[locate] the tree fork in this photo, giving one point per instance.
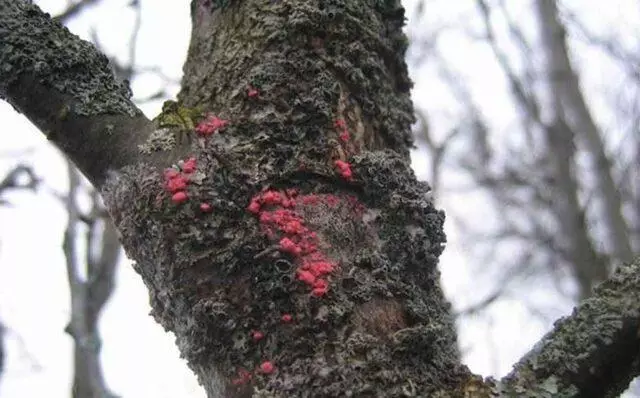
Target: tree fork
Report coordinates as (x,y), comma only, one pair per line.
(292,250)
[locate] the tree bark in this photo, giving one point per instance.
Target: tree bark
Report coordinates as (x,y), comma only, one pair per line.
(66,88)
(293,253)
(376,330)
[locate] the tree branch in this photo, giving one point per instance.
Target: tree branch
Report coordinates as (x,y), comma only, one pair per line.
(88,376)
(65,87)
(595,351)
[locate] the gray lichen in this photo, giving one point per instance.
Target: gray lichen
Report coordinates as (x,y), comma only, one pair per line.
(159,140)
(32,44)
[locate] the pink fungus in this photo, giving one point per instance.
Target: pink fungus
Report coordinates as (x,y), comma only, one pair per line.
(205,207)
(265,217)
(176,184)
(292,227)
(288,246)
(257,335)
(340,124)
(267,367)
(252,92)
(319,268)
(271,198)
(287,318)
(344,136)
(189,166)
(171,173)
(344,168)
(306,277)
(320,288)
(179,197)
(254,207)
(210,125)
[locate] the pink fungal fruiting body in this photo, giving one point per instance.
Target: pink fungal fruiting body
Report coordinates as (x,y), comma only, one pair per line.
(171,173)
(176,181)
(210,125)
(179,197)
(252,92)
(344,169)
(176,184)
(267,367)
(189,165)
(276,212)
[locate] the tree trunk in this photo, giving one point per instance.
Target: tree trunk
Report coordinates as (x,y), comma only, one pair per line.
(382,326)
(292,250)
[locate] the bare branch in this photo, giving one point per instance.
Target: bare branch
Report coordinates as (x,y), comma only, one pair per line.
(87,296)
(13,180)
(64,86)
(594,352)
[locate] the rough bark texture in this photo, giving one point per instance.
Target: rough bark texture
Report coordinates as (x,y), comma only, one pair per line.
(310,175)
(383,328)
(593,353)
(66,88)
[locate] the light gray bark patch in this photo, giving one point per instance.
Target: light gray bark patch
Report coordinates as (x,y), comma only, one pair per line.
(31,44)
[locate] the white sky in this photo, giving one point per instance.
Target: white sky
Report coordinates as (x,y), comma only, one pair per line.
(139,358)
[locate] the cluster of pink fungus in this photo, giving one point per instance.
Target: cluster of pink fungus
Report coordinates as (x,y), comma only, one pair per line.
(210,125)
(278,219)
(276,212)
(176,181)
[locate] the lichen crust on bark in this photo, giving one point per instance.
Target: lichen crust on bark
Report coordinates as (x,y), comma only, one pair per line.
(313,271)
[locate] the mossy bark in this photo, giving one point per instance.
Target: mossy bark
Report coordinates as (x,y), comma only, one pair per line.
(383,328)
